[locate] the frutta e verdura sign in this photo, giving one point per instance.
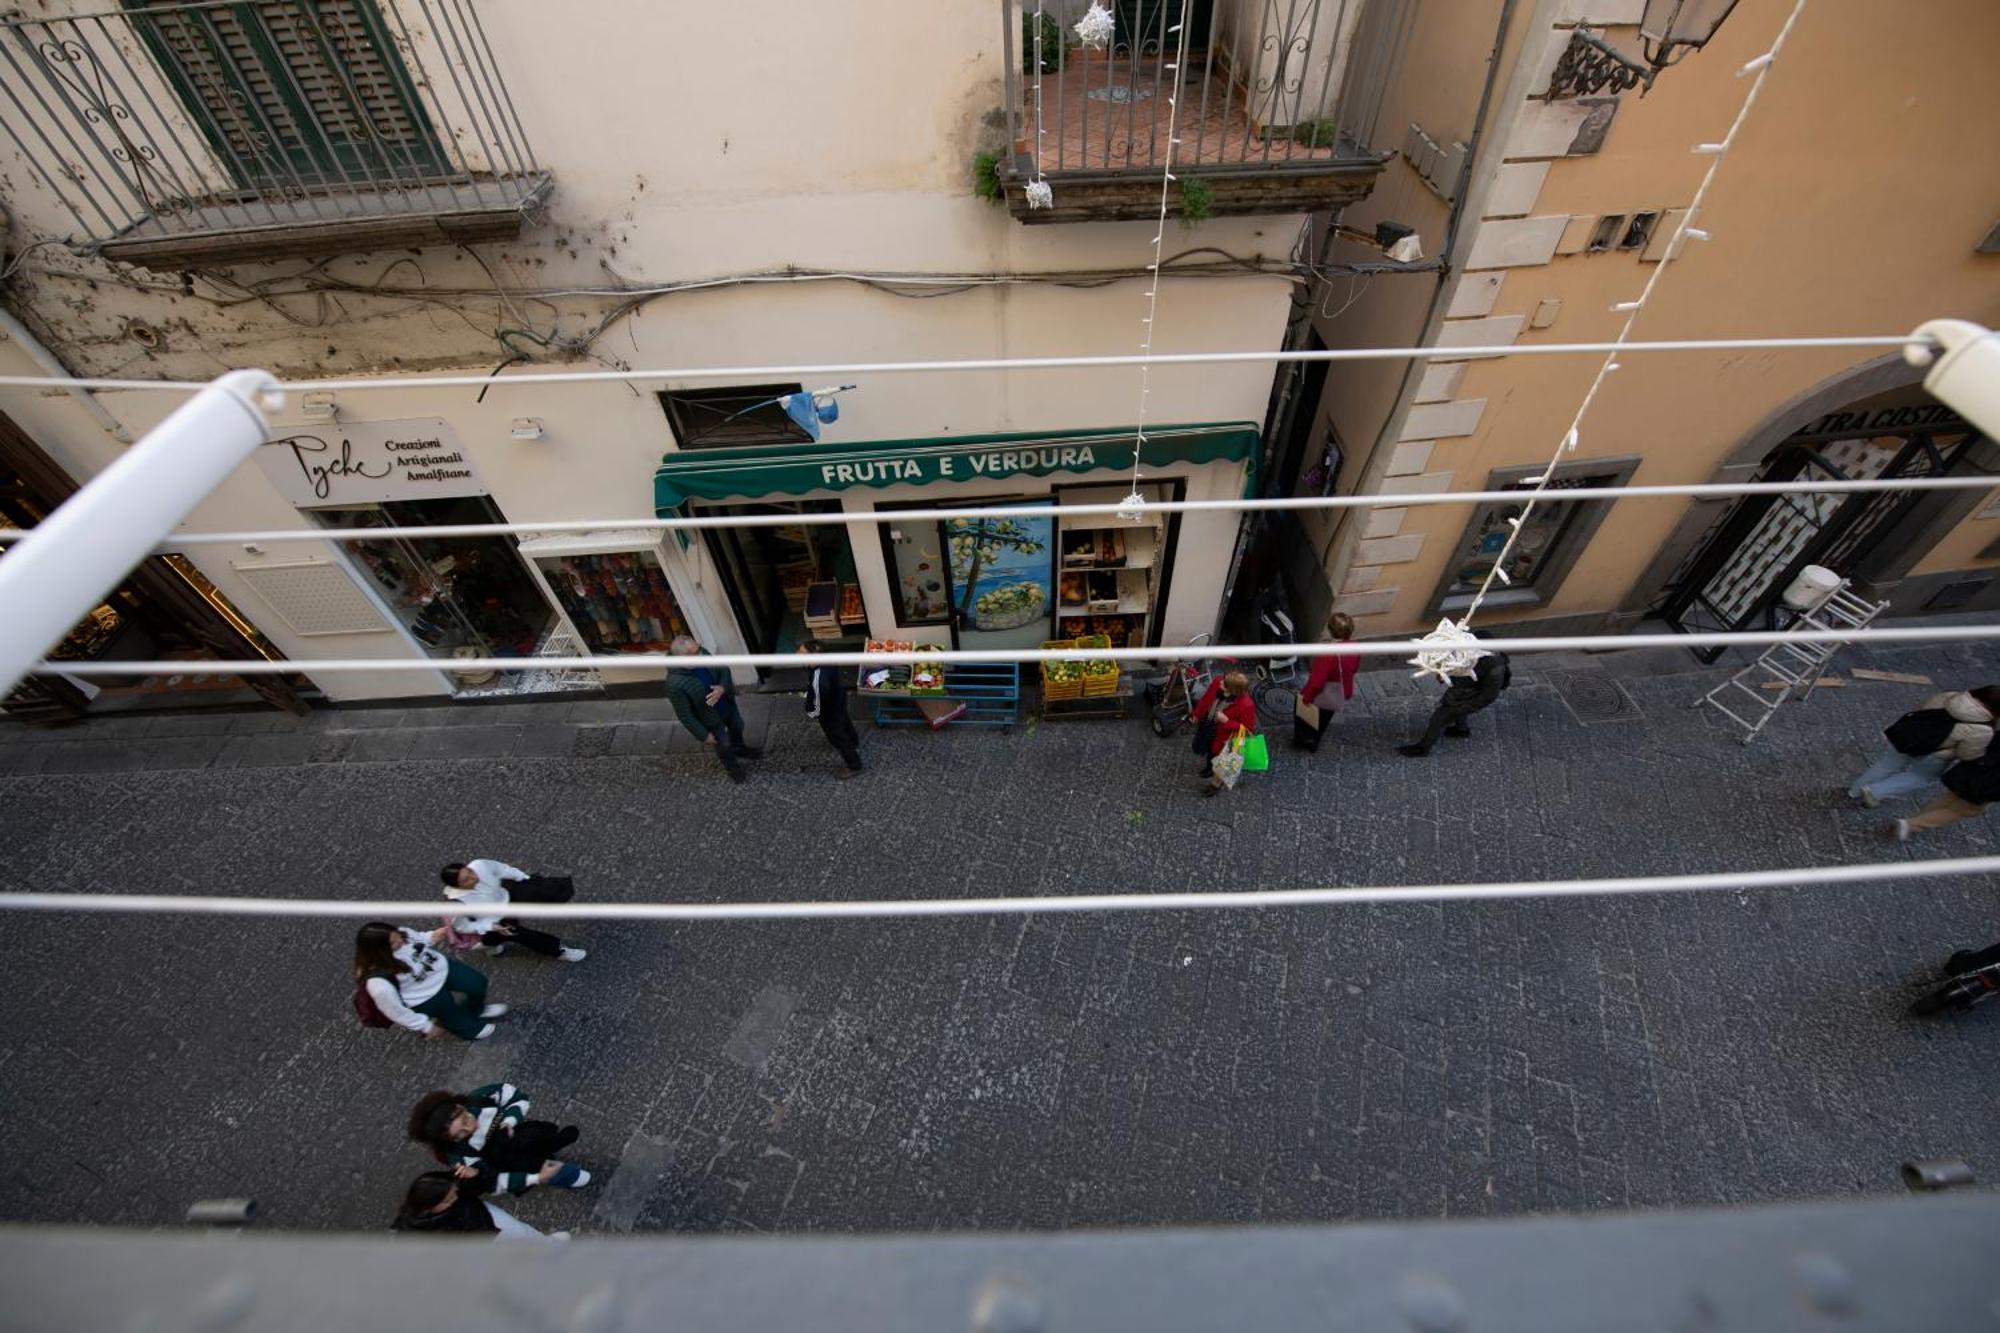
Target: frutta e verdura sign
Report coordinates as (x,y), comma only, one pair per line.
(354,463)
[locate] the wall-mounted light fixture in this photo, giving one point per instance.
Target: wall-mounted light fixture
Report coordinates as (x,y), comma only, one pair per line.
(527,428)
(1668,30)
(318,408)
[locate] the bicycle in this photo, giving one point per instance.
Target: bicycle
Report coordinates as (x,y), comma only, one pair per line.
(1959,989)
(1172,698)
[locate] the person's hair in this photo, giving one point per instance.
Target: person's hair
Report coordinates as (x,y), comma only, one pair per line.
(1235,683)
(1340,625)
(372,953)
(430,1120)
(425,1193)
(684,645)
(1988,697)
(811,646)
(450,874)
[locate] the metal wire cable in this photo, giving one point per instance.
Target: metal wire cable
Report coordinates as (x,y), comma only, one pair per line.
(875,909)
(1165,652)
(1273,356)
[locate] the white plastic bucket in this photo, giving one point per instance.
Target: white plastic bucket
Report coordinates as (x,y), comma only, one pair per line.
(1814,585)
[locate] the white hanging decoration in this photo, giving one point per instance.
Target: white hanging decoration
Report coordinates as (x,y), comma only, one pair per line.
(1133,507)
(1038,194)
(1456,652)
(1094,29)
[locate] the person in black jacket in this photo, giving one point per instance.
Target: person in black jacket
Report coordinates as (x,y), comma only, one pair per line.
(826,703)
(439,1203)
(1465,696)
(1969,787)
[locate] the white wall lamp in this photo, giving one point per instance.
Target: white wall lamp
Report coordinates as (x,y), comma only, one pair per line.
(318,408)
(527,428)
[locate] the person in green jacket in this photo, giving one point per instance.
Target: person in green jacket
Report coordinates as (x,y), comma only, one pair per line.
(705,702)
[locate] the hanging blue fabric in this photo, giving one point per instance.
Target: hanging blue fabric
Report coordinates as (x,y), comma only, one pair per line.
(799,407)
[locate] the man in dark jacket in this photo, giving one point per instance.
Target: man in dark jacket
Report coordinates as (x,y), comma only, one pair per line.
(826,704)
(705,702)
(1465,696)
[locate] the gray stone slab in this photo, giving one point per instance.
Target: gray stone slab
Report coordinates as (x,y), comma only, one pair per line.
(486,742)
(373,747)
(544,740)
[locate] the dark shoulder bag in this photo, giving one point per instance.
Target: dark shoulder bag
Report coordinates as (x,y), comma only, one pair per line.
(1919,732)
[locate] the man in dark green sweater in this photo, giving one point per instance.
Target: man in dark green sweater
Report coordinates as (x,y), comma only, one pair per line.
(705,702)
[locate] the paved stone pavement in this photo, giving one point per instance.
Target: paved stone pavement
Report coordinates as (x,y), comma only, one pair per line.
(1002,1073)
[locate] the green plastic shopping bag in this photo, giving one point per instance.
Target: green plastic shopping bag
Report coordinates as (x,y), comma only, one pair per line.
(1256,753)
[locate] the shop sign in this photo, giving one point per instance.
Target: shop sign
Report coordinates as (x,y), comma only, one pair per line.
(417,459)
(1861,424)
(961,467)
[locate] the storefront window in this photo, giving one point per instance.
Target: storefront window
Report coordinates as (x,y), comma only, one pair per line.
(916,554)
(619,601)
(452,594)
(1552,536)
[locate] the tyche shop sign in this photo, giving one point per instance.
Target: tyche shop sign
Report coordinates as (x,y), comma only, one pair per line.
(355,463)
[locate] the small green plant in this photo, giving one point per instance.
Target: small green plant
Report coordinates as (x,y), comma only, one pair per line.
(1197,200)
(1052,44)
(986,176)
(1135,817)
(1316,133)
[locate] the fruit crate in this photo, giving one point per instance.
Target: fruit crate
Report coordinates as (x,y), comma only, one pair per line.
(1094,686)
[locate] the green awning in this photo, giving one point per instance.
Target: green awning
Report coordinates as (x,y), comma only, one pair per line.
(752,473)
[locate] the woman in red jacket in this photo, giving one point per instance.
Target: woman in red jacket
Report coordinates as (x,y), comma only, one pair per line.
(1224,708)
(1329,687)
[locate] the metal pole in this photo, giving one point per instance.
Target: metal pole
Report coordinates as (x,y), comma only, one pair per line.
(52,578)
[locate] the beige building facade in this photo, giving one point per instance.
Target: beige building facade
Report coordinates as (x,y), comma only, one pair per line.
(1857,200)
(377,189)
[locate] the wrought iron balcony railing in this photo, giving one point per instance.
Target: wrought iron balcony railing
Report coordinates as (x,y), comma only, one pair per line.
(1253,93)
(214,131)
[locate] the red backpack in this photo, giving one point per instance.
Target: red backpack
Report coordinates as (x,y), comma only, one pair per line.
(365,1008)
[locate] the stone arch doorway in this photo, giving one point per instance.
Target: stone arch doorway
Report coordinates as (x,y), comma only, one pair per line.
(1874,422)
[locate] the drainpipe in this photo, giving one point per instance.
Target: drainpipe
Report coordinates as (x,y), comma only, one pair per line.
(1450,261)
(13,328)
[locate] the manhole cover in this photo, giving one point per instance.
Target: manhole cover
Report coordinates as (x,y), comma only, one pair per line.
(1592,696)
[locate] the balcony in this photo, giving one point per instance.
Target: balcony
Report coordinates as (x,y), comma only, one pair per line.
(1254,101)
(184,135)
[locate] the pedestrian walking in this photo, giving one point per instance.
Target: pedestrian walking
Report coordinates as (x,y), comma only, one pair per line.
(495,884)
(705,702)
(1328,687)
(826,704)
(439,1203)
(401,978)
(1224,711)
(1954,727)
(488,1129)
(1968,789)
(1469,691)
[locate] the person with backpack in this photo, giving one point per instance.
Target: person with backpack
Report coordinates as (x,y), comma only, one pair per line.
(487,1129)
(495,883)
(1328,688)
(1469,692)
(441,1203)
(1954,727)
(401,978)
(1968,789)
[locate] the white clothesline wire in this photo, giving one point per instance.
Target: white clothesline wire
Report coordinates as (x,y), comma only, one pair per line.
(1496,573)
(1579,495)
(1159,239)
(970,656)
(1275,355)
(1168,901)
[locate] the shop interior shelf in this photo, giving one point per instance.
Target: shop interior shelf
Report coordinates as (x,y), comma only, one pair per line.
(990,691)
(1141,548)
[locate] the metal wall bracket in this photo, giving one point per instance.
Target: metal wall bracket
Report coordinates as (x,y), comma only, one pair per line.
(1588,65)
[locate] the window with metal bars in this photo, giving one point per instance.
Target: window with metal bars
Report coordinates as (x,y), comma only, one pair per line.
(295,93)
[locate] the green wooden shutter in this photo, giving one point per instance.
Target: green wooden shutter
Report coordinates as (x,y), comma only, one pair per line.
(296,92)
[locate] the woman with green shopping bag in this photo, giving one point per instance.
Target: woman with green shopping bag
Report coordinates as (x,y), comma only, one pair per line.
(1227,716)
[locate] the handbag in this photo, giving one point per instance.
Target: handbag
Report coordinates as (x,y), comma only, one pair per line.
(1921,731)
(1307,713)
(1330,696)
(1256,751)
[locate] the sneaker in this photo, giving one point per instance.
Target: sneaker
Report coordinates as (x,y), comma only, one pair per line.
(1868,798)
(738,775)
(582,1179)
(1902,827)
(572,955)
(493,1011)
(559,1235)
(1412,751)
(845,773)
(485,1032)
(495,949)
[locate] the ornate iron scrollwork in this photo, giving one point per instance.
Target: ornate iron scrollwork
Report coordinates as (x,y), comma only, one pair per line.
(1589,66)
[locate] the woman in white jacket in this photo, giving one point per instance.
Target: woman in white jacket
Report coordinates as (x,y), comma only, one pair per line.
(417,987)
(1970,714)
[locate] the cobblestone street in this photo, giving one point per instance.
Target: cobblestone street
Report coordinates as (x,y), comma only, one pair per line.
(1002,1073)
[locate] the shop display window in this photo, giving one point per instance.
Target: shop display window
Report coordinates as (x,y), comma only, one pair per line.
(618,601)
